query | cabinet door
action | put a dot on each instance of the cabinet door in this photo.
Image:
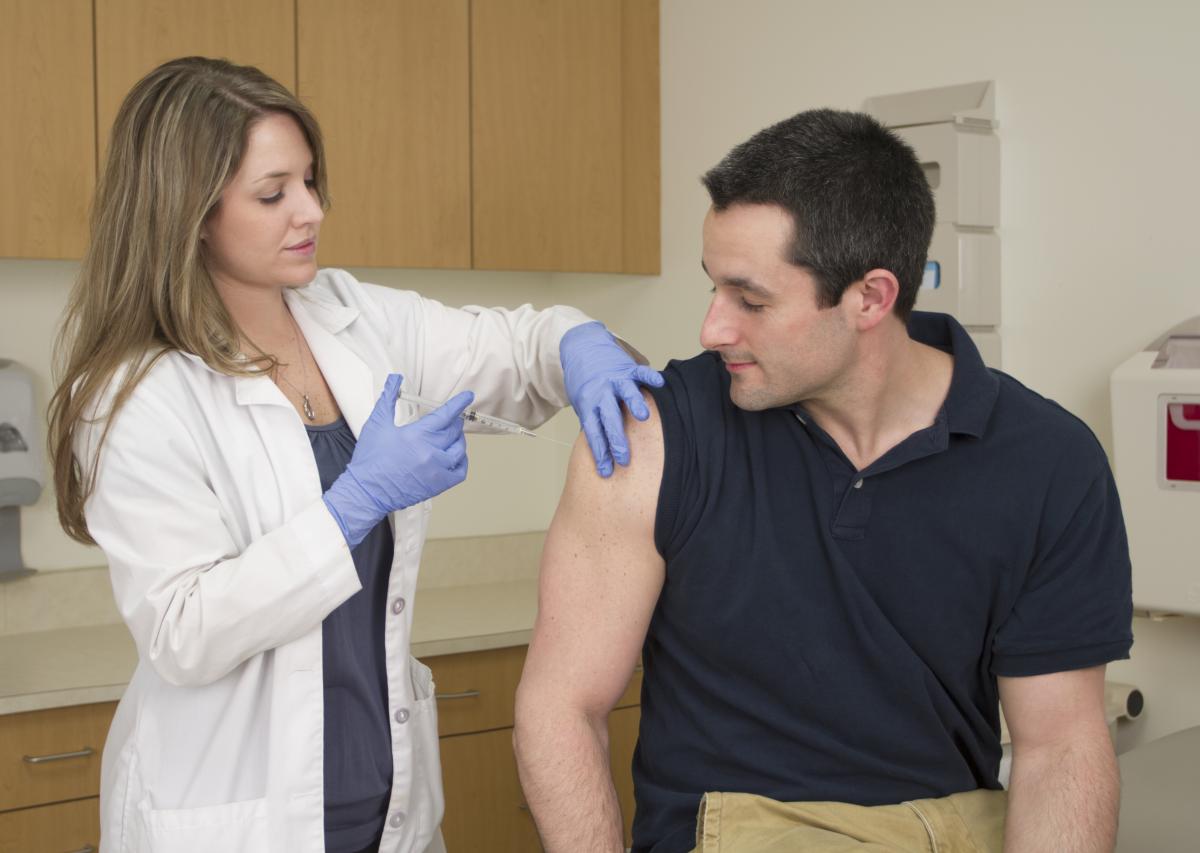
(565, 135)
(73, 826)
(134, 36)
(622, 738)
(389, 83)
(485, 809)
(47, 150)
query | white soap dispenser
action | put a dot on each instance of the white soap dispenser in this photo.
(21, 468)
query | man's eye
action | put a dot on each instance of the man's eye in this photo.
(750, 306)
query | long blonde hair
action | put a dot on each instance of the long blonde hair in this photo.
(143, 288)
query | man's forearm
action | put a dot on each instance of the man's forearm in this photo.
(563, 763)
(1064, 798)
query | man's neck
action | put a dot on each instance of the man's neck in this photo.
(896, 387)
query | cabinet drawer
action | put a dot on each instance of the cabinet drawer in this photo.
(52, 755)
(72, 827)
(476, 691)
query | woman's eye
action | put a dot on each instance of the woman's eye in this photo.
(272, 199)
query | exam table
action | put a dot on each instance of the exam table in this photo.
(1160, 795)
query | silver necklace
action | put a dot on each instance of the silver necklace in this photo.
(308, 409)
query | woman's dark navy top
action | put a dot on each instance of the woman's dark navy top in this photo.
(358, 740)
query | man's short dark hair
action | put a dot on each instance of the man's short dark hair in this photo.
(856, 193)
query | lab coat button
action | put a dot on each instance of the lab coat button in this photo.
(402, 715)
(398, 606)
(397, 819)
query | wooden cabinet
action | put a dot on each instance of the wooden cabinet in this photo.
(487, 134)
(134, 36)
(389, 83)
(50, 778)
(565, 145)
(485, 809)
(72, 826)
(47, 149)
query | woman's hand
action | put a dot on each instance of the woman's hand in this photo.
(394, 467)
(599, 374)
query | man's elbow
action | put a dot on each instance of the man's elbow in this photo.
(544, 715)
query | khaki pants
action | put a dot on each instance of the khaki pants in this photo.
(970, 822)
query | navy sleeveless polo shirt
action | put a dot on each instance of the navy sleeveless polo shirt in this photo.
(825, 633)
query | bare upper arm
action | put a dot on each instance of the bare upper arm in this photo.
(600, 577)
(1045, 709)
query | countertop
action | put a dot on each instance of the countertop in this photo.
(78, 666)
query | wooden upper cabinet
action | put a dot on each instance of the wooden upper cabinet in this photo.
(47, 149)
(565, 135)
(388, 81)
(135, 36)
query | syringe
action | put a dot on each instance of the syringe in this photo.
(473, 416)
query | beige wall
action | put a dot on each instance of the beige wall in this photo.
(1098, 116)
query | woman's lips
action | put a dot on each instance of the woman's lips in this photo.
(305, 248)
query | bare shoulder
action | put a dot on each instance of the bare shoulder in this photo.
(631, 491)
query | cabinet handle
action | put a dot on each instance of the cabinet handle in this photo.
(87, 848)
(466, 694)
(62, 756)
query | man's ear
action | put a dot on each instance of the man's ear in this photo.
(876, 297)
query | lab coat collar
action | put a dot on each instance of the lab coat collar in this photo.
(320, 318)
(348, 376)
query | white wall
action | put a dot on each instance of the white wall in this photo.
(1098, 111)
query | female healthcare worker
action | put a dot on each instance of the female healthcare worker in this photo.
(219, 432)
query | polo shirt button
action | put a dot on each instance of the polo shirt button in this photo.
(858, 485)
(402, 715)
(397, 819)
(398, 606)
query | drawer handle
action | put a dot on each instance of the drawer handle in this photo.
(87, 848)
(466, 694)
(86, 752)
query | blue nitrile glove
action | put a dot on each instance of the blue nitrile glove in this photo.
(599, 375)
(394, 467)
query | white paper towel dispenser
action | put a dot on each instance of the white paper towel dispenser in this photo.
(1156, 444)
(21, 468)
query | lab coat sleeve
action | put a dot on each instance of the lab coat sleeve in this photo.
(196, 604)
(508, 357)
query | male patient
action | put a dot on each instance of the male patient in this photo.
(845, 541)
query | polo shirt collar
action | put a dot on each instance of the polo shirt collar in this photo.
(973, 387)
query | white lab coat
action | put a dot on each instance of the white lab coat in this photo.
(225, 561)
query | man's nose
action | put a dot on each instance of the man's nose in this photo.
(717, 330)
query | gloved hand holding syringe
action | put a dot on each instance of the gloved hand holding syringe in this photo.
(474, 416)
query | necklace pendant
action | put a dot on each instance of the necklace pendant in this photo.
(308, 409)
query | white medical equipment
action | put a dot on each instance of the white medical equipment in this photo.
(21, 477)
(1156, 441)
